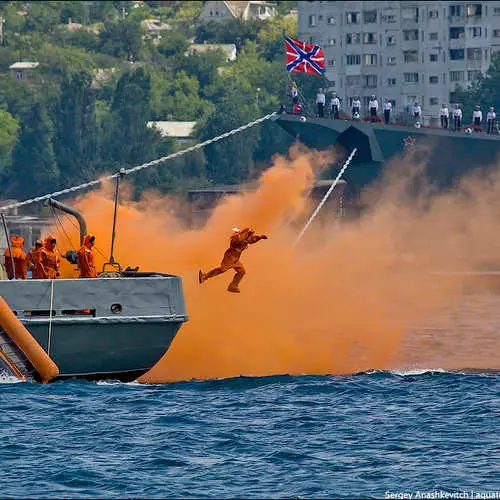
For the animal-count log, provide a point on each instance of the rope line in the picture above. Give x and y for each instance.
(132, 170)
(323, 201)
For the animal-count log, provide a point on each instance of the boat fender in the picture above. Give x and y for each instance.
(302, 118)
(23, 339)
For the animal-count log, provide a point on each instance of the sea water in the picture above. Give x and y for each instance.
(377, 434)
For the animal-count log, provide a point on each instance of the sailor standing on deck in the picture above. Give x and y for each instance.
(34, 260)
(320, 102)
(457, 117)
(50, 259)
(417, 111)
(477, 116)
(335, 106)
(373, 107)
(294, 93)
(18, 258)
(356, 107)
(387, 111)
(86, 257)
(444, 115)
(490, 118)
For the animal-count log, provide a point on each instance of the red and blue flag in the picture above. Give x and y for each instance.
(302, 57)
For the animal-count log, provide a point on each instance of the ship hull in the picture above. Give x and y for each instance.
(100, 328)
(449, 155)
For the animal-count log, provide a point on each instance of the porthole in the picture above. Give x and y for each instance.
(116, 308)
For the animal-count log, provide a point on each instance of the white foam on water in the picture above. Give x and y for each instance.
(418, 371)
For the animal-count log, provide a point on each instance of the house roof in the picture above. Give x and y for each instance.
(237, 8)
(154, 25)
(24, 65)
(173, 129)
(228, 48)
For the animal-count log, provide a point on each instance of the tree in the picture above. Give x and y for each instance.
(130, 141)
(34, 169)
(75, 140)
(122, 38)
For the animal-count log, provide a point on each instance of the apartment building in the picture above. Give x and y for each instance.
(405, 51)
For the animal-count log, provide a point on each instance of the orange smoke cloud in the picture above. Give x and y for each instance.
(341, 301)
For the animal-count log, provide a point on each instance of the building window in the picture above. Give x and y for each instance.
(331, 63)
(456, 10)
(433, 57)
(474, 9)
(410, 56)
(331, 42)
(433, 79)
(433, 37)
(496, 11)
(474, 32)
(370, 81)
(410, 35)
(352, 17)
(353, 60)
(370, 38)
(369, 16)
(312, 20)
(352, 38)
(473, 75)
(433, 101)
(391, 60)
(391, 82)
(456, 76)
(19, 76)
(456, 33)
(391, 39)
(331, 20)
(352, 81)
(370, 59)
(410, 77)
(474, 54)
(457, 54)
(496, 33)
(433, 14)
(410, 14)
(389, 18)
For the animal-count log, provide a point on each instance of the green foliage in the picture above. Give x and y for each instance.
(34, 169)
(86, 108)
(122, 38)
(76, 132)
(8, 132)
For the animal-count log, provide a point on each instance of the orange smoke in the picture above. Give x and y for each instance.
(343, 305)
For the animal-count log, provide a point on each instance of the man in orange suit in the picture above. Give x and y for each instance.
(239, 241)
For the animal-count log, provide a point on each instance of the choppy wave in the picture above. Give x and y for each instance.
(280, 437)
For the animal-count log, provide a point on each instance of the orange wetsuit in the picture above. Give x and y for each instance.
(86, 258)
(50, 259)
(19, 257)
(34, 259)
(231, 260)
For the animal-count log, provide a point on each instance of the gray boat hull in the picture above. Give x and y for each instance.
(100, 328)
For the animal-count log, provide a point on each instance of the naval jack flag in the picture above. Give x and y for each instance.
(302, 57)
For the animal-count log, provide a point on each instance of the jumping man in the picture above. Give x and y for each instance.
(239, 241)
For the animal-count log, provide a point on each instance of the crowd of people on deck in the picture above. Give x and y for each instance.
(44, 259)
(415, 111)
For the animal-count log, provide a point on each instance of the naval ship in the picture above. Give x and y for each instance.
(450, 153)
(116, 326)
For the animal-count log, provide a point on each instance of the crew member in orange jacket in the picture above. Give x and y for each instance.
(239, 241)
(86, 258)
(51, 259)
(34, 260)
(19, 257)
